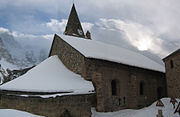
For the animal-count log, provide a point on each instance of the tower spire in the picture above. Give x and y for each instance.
(73, 27)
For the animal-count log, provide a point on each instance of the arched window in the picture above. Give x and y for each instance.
(114, 87)
(141, 88)
(171, 63)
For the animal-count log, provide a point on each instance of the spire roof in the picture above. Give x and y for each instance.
(73, 27)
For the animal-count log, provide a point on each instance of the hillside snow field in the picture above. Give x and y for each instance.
(150, 111)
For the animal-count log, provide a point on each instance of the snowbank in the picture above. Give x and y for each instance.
(50, 76)
(150, 111)
(99, 50)
(15, 113)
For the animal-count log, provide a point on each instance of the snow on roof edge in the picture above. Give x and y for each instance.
(162, 70)
(128, 64)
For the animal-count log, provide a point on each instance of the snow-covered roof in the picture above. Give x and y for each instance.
(99, 50)
(50, 76)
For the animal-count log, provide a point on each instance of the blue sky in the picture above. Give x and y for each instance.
(138, 25)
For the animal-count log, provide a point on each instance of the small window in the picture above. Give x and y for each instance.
(141, 88)
(114, 87)
(171, 63)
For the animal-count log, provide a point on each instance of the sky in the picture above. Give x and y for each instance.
(139, 25)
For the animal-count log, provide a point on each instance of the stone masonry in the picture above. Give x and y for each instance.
(172, 64)
(75, 105)
(69, 56)
(128, 79)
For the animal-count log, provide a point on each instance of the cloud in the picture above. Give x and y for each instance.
(57, 26)
(49, 37)
(147, 25)
(2, 30)
(138, 35)
(87, 26)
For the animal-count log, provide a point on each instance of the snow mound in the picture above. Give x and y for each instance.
(15, 113)
(49, 76)
(99, 50)
(151, 111)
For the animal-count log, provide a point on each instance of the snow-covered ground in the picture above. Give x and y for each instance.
(150, 111)
(15, 113)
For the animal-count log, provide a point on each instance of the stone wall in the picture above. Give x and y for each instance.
(173, 75)
(71, 106)
(102, 72)
(69, 56)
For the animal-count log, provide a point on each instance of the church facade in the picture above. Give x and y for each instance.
(118, 86)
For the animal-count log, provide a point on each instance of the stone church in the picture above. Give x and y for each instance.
(120, 78)
(118, 83)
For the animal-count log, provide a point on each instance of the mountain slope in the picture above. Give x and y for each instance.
(12, 53)
(14, 57)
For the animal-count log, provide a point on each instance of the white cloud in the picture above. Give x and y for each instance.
(2, 30)
(87, 26)
(138, 35)
(57, 26)
(49, 37)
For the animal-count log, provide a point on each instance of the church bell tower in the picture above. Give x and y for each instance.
(73, 27)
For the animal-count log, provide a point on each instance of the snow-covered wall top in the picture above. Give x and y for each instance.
(99, 50)
(50, 76)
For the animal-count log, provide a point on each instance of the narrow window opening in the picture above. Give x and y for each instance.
(114, 87)
(124, 98)
(119, 101)
(141, 88)
(171, 63)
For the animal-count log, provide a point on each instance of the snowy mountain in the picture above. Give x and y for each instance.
(14, 56)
